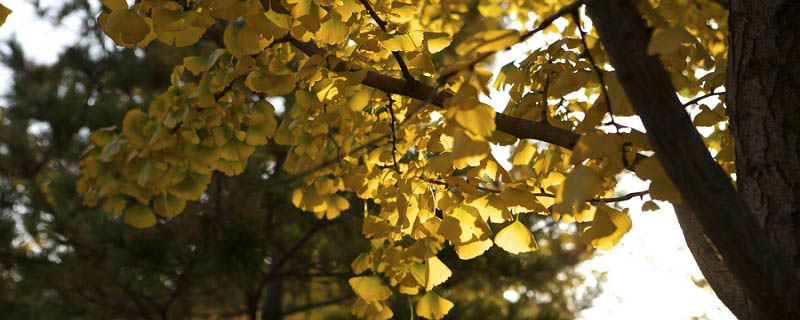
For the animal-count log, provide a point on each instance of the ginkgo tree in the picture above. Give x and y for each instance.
(386, 105)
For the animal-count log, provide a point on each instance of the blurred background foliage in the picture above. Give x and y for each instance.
(242, 251)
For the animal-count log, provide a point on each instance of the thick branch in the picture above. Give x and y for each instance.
(520, 128)
(704, 186)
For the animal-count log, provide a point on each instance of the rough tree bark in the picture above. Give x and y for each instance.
(745, 242)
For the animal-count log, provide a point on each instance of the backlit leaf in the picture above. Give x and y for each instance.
(607, 228)
(436, 272)
(661, 187)
(370, 288)
(516, 238)
(139, 216)
(432, 306)
(4, 12)
(437, 41)
(473, 249)
(667, 41)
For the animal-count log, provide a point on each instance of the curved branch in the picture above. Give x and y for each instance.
(696, 100)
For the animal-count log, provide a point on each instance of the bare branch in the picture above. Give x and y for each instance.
(394, 134)
(696, 100)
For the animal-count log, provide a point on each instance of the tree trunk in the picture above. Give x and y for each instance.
(762, 103)
(273, 300)
(725, 284)
(749, 256)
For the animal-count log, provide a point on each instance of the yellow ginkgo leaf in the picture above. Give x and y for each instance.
(347, 8)
(359, 100)
(661, 187)
(114, 205)
(516, 238)
(707, 117)
(432, 306)
(371, 310)
(336, 204)
(667, 41)
(581, 184)
(473, 248)
(115, 4)
(333, 30)
(200, 64)
(493, 207)
(261, 80)
(250, 41)
(404, 42)
(436, 272)
(450, 229)
(307, 199)
(370, 288)
(167, 205)
(477, 119)
(468, 151)
(607, 228)
(270, 24)
(437, 41)
(133, 128)
(362, 263)
(139, 216)
(521, 200)
(597, 146)
(374, 227)
(126, 27)
(523, 154)
(191, 187)
(650, 206)
(4, 12)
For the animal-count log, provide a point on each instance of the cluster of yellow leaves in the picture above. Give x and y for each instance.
(165, 156)
(439, 184)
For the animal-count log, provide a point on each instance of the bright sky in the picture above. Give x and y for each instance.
(650, 275)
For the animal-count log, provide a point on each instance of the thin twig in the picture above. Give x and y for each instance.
(549, 195)
(696, 100)
(403, 67)
(394, 134)
(544, 98)
(576, 15)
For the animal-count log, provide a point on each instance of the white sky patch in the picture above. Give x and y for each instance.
(511, 295)
(40, 41)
